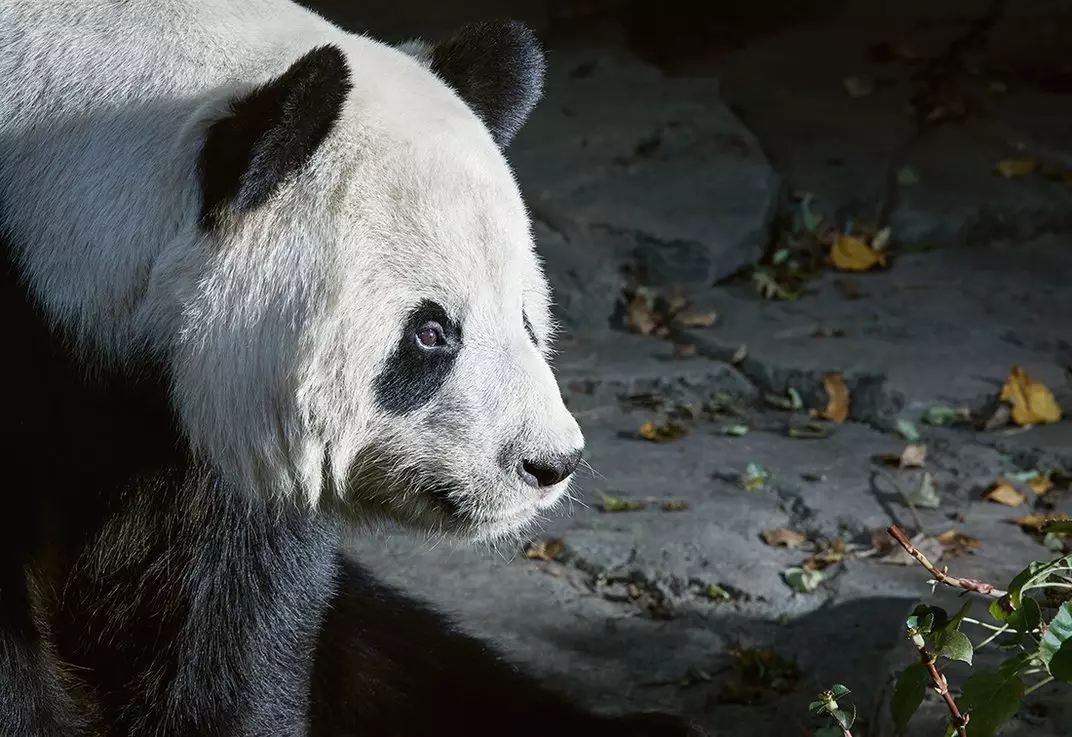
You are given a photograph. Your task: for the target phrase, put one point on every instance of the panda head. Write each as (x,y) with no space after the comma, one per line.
(364,319)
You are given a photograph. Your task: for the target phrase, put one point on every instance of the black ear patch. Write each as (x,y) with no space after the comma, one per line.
(271,133)
(497,68)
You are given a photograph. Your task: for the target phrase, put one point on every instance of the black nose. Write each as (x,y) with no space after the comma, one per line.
(549,470)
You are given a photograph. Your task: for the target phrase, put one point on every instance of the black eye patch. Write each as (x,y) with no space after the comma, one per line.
(529,330)
(414,373)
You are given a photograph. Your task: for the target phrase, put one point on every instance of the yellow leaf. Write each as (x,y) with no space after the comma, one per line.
(662,433)
(956,542)
(697,319)
(614,504)
(852,254)
(1010,168)
(783,537)
(547,550)
(837,407)
(1003,493)
(1032,403)
(1032,523)
(1040,484)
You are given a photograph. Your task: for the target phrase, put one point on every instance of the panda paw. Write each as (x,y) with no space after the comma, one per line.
(652,724)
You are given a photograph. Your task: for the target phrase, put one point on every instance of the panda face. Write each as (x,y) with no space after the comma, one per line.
(372,324)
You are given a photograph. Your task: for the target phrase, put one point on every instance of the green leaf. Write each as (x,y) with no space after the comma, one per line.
(817,707)
(907,431)
(1024,620)
(802,580)
(735,430)
(754,477)
(925,495)
(1012,665)
(955,645)
(1058,634)
(1000,609)
(908,694)
(907,176)
(1059,527)
(1061,663)
(839,690)
(828,731)
(991,699)
(942,416)
(928,619)
(614,504)
(844,717)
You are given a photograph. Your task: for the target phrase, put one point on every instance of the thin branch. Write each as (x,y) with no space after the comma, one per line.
(968,584)
(1040,684)
(942,687)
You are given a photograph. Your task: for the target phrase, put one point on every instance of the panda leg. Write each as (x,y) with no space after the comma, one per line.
(390,666)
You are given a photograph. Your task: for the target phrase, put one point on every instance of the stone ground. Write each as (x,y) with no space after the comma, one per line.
(671,148)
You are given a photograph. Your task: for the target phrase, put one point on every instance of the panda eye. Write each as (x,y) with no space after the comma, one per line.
(430,335)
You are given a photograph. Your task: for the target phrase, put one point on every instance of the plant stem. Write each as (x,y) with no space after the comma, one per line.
(968,584)
(942,686)
(1040,684)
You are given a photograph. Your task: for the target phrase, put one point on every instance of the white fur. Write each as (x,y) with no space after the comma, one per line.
(275,328)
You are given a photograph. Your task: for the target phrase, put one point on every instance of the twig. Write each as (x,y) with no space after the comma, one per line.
(942,687)
(968,584)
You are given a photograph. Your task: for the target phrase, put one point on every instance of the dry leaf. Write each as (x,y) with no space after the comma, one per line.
(957,543)
(697,319)
(784,538)
(675,506)
(662,433)
(1003,493)
(930,547)
(852,254)
(1032,403)
(1040,484)
(639,316)
(614,504)
(913,456)
(1010,168)
(546,550)
(881,239)
(834,553)
(1032,523)
(837,407)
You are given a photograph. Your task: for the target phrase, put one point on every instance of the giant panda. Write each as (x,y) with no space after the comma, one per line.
(266,281)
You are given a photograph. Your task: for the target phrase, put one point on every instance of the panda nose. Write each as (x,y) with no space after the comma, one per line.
(549,470)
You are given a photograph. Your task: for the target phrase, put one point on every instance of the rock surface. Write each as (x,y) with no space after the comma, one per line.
(630,162)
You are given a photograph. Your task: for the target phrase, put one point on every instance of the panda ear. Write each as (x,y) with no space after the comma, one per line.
(497,67)
(271,132)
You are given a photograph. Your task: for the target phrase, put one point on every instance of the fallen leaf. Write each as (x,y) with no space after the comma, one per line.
(682,351)
(898,556)
(640,318)
(881,239)
(808,431)
(662,433)
(1032,403)
(1000,414)
(831,554)
(925,494)
(791,402)
(913,456)
(1003,493)
(957,543)
(754,477)
(697,319)
(767,285)
(740,354)
(1033,523)
(716,593)
(546,549)
(614,504)
(852,254)
(946,416)
(783,537)
(907,430)
(675,506)
(907,176)
(858,86)
(837,406)
(1010,168)
(735,430)
(802,580)
(1040,484)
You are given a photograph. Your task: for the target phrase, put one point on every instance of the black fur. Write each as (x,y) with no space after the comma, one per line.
(413,374)
(271,133)
(529,330)
(497,67)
